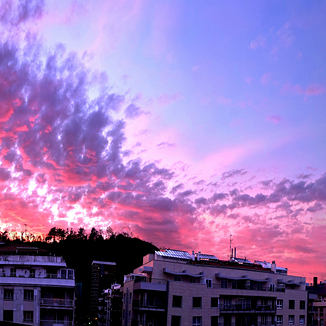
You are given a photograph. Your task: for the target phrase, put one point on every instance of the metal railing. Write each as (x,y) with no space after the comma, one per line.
(27,258)
(57,302)
(149,304)
(246,307)
(55,323)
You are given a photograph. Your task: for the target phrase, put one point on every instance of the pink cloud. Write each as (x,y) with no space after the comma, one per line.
(257,43)
(265,78)
(166,99)
(273,118)
(311,90)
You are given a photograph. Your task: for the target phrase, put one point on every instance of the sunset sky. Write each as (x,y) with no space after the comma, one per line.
(185,121)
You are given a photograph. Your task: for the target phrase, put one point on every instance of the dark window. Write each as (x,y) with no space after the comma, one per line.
(176,320)
(214,302)
(28,317)
(28,295)
(291,304)
(259,286)
(291,320)
(209,283)
(177,278)
(214,321)
(9,294)
(196,302)
(302,304)
(177,301)
(63,274)
(32,273)
(224,284)
(8,315)
(12,272)
(234,284)
(70,274)
(192,280)
(196,321)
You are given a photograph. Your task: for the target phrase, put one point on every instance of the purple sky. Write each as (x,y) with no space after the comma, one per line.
(185,121)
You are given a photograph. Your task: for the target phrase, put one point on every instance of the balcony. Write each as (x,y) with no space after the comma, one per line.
(150,284)
(154,305)
(33,260)
(246,308)
(55,323)
(60,303)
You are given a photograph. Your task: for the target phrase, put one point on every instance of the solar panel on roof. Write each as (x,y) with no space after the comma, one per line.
(209,257)
(174,254)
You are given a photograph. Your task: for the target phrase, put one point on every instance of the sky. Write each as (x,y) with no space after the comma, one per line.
(182,121)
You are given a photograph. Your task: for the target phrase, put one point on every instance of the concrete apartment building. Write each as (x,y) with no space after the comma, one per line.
(176,288)
(35,287)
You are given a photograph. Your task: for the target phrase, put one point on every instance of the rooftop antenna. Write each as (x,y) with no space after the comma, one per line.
(230,246)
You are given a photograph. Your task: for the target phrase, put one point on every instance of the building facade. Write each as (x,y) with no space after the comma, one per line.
(102,276)
(35,288)
(176,288)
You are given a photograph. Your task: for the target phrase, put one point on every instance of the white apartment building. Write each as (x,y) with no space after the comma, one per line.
(176,288)
(35,288)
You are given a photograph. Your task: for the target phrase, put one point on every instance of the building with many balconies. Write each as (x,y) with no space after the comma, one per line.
(176,288)
(35,288)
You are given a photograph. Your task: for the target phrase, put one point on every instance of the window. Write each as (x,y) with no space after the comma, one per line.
(234,284)
(322,322)
(70,274)
(32,273)
(214,320)
(8,315)
(9,294)
(177,278)
(129,316)
(28,295)
(263,320)
(272,287)
(177,301)
(302,320)
(209,283)
(291,320)
(13,272)
(321,311)
(175,320)
(302,304)
(279,304)
(196,302)
(63,274)
(279,320)
(28,317)
(259,286)
(192,280)
(291,304)
(224,284)
(130,296)
(214,302)
(196,321)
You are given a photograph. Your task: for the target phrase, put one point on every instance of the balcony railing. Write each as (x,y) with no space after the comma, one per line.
(246,308)
(149,304)
(57,302)
(26,258)
(55,323)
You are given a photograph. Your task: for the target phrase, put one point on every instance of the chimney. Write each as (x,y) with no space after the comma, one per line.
(315,281)
(193,255)
(273,267)
(235,252)
(231,254)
